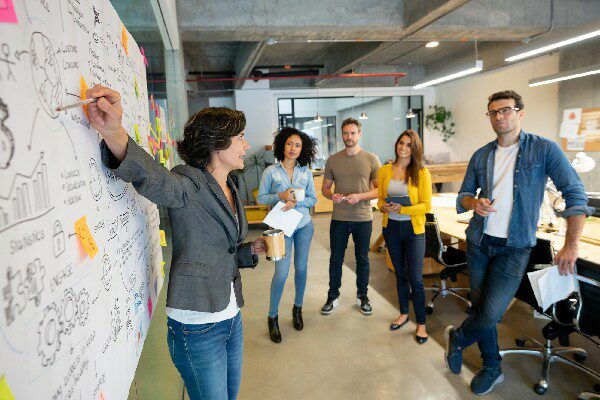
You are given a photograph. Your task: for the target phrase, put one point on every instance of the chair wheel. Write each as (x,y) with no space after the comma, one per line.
(539,389)
(579,357)
(429,310)
(520,342)
(469,310)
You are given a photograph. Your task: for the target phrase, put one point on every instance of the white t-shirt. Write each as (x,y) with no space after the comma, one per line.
(502,192)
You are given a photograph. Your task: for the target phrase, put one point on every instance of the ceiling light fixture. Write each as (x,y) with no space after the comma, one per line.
(410,113)
(566,75)
(318,118)
(553,46)
(478,67)
(270,41)
(363,114)
(432,44)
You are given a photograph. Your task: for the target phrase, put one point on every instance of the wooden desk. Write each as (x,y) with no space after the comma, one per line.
(448,222)
(449,172)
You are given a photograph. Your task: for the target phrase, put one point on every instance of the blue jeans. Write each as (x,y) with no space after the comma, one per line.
(208,357)
(495,273)
(407,251)
(339,232)
(300,241)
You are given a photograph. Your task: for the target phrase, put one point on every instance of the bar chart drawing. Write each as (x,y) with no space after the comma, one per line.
(28,197)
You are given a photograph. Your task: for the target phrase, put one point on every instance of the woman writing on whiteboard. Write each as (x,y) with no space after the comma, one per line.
(209,226)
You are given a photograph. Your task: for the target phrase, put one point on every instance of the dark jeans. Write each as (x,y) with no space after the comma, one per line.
(407,251)
(339,232)
(495,273)
(208,357)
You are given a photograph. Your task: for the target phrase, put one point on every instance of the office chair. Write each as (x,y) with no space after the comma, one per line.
(562,315)
(587,320)
(453,260)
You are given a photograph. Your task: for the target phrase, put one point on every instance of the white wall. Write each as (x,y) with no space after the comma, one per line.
(467,99)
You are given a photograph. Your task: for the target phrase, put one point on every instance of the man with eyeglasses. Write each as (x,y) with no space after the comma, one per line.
(511,174)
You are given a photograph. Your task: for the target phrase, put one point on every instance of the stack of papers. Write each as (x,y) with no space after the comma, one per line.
(549,286)
(287,221)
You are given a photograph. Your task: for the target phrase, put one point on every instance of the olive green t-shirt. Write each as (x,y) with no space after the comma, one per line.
(352,174)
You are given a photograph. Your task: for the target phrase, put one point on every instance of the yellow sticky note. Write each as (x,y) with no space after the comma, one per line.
(5,393)
(124,39)
(138,138)
(85,236)
(83,89)
(163,238)
(157,124)
(163,160)
(163,268)
(135,86)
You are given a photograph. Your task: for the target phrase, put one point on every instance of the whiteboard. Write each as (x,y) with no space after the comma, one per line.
(81,262)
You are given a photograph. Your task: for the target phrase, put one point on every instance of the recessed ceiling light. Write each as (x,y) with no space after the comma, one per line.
(432,44)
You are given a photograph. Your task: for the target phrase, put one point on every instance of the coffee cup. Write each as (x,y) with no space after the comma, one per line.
(299,194)
(275,244)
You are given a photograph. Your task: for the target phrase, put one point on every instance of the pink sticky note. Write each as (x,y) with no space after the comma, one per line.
(149,307)
(7,12)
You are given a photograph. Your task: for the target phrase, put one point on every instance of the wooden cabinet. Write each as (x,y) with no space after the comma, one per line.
(323,204)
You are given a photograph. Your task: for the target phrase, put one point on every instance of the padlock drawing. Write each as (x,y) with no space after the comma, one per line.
(58,239)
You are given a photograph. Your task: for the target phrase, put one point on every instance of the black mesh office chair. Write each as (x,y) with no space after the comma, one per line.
(453,260)
(562,324)
(587,320)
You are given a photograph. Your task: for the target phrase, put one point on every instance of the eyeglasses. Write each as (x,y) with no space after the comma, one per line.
(502,111)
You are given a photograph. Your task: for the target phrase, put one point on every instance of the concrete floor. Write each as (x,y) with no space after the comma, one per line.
(347,355)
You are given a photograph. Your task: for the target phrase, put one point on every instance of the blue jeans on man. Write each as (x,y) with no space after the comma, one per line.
(495,273)
(208,357)
(339,233)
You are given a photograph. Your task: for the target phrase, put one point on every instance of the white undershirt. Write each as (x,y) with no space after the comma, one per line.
(502,192)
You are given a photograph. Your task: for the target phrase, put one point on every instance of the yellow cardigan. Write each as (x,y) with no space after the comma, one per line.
(420,197)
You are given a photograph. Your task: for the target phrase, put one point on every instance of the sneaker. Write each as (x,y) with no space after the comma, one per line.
(486,380)
(363,303)
(453,353)
(330,305)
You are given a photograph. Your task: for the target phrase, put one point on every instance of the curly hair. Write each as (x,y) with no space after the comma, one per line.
(309,145)
(507,95)
(208,131)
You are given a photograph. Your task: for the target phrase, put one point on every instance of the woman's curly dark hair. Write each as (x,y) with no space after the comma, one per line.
(309,145)
(208,131)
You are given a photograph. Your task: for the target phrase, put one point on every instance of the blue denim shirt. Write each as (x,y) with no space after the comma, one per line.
(275,180)
(537,159)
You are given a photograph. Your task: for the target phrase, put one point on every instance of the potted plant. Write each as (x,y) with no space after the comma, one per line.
(439,120)
(257,162)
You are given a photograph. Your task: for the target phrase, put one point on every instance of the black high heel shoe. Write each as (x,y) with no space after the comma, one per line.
(421,339)
(297,318)
(274,332)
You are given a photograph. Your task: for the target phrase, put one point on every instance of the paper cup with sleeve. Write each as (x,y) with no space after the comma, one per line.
(275,243)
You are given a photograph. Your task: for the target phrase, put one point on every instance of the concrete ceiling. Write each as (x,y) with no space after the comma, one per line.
(227,38)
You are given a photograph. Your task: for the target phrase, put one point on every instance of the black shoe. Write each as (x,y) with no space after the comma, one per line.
(421,339)
(453,353)
(274,332)
(330,305)
(363,303)
(395,327)
(297,318)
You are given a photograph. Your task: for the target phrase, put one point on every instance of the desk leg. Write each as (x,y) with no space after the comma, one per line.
(438,187)
(375,247)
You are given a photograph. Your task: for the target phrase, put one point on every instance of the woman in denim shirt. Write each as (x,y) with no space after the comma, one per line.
(295,151)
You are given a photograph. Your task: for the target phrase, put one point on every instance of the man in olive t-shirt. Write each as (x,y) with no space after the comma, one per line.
(354,172)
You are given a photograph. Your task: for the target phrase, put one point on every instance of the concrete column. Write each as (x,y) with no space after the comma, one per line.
(176,90)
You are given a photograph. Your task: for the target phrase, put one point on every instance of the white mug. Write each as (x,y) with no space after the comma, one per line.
(299,194)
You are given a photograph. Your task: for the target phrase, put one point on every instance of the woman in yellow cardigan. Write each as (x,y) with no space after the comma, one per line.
(404,225)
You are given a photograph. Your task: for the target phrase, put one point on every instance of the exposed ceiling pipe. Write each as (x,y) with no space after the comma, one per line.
(261,78)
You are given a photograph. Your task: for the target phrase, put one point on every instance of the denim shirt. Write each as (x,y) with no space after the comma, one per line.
(537,159)
(275,180)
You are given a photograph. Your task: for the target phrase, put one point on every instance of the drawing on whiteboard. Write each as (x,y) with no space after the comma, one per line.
(116,187)
(95,180)
(33,286)
(60,318)
(4,58)
(96,16)
(7,142)
(28,197)
(58,239)
(15,301)
(115,321)
(106,272)
(46,73)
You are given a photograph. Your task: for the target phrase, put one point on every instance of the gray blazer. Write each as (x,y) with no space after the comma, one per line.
(207,245)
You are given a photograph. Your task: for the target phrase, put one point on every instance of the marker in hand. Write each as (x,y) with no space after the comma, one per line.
(78,104)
